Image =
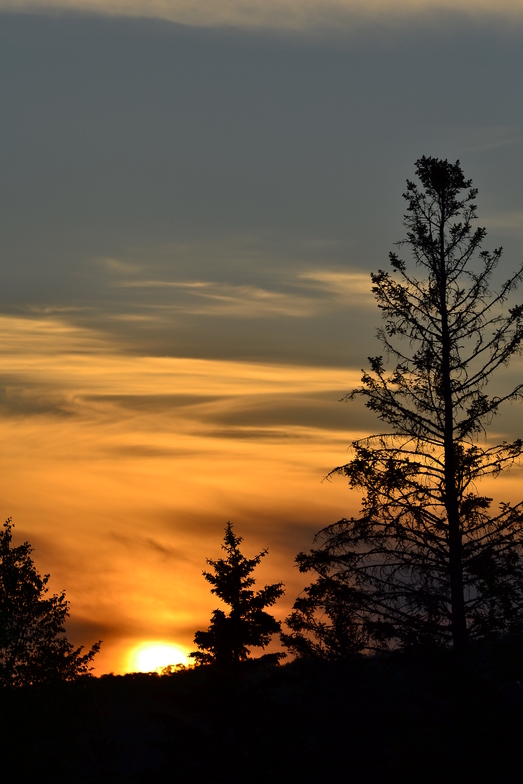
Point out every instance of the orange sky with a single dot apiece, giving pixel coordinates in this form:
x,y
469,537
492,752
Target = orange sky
x,y
123,470
190,213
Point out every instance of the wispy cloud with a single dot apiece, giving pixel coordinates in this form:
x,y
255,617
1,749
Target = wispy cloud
x,y
506,220
354,287
118,265
162,549
81,362
297,15
475,139
216,299
308,294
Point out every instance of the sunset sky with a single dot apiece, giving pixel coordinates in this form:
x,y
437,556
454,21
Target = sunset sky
x,y
192,196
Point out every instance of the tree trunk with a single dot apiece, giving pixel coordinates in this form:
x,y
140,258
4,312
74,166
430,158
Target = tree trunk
x,y
459,623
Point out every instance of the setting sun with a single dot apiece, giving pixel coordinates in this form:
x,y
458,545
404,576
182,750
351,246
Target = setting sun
x,y
151,656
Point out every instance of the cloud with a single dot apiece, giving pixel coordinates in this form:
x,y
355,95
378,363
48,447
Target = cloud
x,y
50,369
82,362
508,220
150,543
292,15
19,400
119,266
134,451
203,298
352,287
477,139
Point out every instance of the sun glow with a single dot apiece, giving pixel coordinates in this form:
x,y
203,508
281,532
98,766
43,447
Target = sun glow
x,y
153,656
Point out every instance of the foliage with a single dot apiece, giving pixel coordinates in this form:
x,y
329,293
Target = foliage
x,y
33,646
229,636
427,562
334,632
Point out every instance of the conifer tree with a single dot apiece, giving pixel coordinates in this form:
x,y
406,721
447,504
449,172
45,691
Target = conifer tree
x,y
33,646
230,636
428,561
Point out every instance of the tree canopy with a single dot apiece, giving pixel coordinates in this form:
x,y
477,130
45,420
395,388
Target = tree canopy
x,y
230,636
33,645
428,561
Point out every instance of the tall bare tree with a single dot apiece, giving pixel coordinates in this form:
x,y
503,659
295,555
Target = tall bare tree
x,y
427,561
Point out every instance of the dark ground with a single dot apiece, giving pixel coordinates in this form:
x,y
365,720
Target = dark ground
x,y
400,718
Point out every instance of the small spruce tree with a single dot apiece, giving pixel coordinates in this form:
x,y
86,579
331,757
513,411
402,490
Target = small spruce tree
x,y
247,625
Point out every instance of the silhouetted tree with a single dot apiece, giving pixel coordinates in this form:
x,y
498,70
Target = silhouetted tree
x,y
33,646
323,623
427,562
229,637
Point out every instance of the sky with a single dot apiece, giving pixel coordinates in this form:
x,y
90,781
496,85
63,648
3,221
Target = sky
x,y
192,197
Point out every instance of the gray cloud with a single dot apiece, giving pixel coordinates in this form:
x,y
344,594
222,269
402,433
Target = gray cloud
x,y
314,17
255,167
21,401
133,451
165,551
